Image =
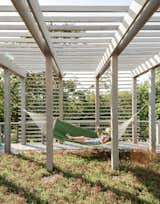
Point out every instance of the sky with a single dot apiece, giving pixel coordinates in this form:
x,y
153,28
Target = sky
x,y
76,2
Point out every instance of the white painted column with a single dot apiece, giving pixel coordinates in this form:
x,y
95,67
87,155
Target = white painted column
x,y
49,114
0,135
134,110
23,114
152,122
7,111
114,112
61,98
158,132
97,106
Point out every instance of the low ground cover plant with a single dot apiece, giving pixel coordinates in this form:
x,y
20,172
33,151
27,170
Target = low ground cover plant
x,y
79,177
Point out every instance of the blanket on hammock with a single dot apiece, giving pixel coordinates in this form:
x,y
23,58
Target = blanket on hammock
x,y
61,128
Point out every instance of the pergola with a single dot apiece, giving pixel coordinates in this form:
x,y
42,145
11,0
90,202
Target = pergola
x,y
84,38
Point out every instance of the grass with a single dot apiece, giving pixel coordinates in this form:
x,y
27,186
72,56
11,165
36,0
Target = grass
x,y
79,178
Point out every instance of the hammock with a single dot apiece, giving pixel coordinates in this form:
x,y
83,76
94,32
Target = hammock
x,y
61,128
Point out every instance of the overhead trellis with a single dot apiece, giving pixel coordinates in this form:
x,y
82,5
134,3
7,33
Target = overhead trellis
x,y
84,38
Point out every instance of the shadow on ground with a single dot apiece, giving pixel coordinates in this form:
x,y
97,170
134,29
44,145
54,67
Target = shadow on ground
x,y
16,189
149,178
142,174
99,155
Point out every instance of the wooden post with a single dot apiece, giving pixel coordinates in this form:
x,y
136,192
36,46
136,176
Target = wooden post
x,y
0,135
23,114
152,122
114,112
61,114
49,113
7,111
158,133
134,110
97,107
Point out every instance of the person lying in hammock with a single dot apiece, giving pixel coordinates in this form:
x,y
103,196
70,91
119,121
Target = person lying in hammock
x,y
103,137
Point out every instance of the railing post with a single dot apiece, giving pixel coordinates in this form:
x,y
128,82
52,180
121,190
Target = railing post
x,y
43,133
158,133
0,135
114,112
49,113
7,111
152,125
97,107
61,114
134,110
23,114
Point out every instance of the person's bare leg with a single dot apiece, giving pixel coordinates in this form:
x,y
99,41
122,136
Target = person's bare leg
x,y
81,139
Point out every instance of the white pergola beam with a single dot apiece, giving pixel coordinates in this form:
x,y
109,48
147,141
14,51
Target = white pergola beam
x,y
77,54
68,18
37,28
84,27
105,41
35,50
83,34
85,8
62,34
109,27
138,15
98,45
75,19
150,33
19,45
147,65
36,10
83,40
8,64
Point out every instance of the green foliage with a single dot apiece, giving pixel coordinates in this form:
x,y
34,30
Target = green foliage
x,y
80,101
143,100
142,92
143,103
33,97
14,83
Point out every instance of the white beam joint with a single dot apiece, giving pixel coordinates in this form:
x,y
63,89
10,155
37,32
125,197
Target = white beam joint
x,y
138,14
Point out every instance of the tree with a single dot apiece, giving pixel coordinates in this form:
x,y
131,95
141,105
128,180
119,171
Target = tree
x,y
14,84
